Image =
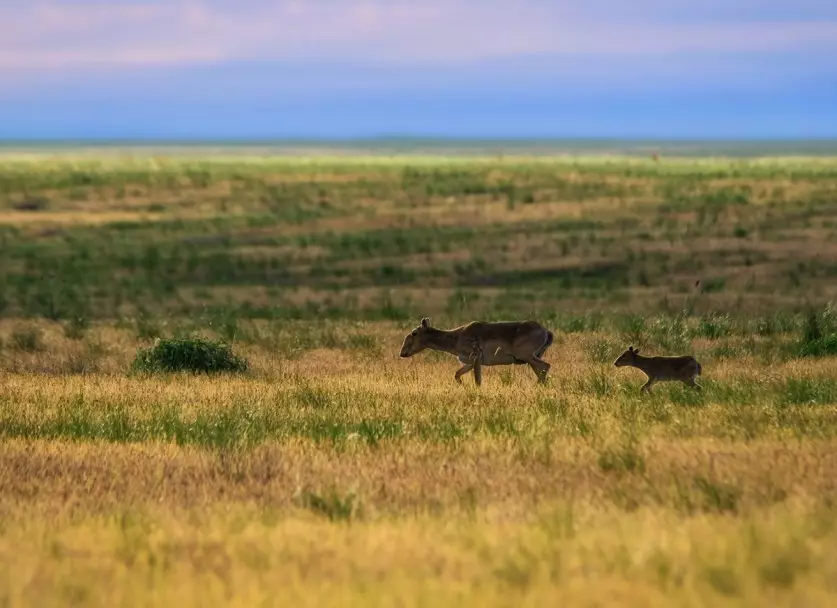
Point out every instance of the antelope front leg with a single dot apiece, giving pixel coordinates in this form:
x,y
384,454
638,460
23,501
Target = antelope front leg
x,y
646,388
476,363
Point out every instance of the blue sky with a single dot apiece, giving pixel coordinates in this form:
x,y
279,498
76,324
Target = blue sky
x,y
460,68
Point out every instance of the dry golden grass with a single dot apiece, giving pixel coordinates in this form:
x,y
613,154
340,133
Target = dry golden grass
x,y
577,492
241,556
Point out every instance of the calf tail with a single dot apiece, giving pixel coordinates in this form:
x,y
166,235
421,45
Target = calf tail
x,y
550,338
699,368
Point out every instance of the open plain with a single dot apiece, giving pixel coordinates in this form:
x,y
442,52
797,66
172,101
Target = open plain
x,y
331,471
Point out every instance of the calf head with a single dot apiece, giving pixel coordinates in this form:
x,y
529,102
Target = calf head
x,y
627,358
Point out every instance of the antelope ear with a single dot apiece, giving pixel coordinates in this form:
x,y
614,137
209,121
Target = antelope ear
x,y
636,351
425,322
630,349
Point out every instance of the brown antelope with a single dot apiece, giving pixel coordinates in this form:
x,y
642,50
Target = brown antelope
x,y
662,369
478,343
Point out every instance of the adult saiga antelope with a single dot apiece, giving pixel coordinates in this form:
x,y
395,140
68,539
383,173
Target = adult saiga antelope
x,y
662,369
479,343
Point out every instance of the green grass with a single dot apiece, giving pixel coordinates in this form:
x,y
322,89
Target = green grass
x,y
735,408
538,234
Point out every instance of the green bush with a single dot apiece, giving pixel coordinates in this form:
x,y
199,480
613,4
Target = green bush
x,y
193,354
819,335
822,347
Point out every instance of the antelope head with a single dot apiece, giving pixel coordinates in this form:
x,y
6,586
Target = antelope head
x,y
416,340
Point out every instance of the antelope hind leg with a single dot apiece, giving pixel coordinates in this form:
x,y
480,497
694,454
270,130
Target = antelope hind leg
x,y
462,371
540,367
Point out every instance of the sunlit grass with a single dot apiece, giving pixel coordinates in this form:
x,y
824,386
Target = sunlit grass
x,y
331,472
569,552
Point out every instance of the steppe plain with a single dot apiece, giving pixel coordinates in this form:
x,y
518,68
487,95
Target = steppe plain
x,y
332,472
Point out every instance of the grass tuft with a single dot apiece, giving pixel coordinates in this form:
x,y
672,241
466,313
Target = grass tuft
x,y
332,505
27,339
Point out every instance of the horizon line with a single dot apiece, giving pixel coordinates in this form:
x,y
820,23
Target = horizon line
x,y
825,147
279,139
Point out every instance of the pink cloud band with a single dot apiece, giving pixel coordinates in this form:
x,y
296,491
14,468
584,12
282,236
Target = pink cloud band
x,y
52,35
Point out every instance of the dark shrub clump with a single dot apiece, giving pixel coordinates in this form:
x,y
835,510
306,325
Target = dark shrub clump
x,y
192,354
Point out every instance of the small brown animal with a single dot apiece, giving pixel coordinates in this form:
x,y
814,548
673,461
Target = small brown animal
x,y
479,343
662,369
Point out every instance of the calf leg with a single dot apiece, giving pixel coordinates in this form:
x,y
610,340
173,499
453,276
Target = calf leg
x,y
691,382
646,388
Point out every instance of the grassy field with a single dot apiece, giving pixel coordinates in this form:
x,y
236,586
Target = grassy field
x,y
331,472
